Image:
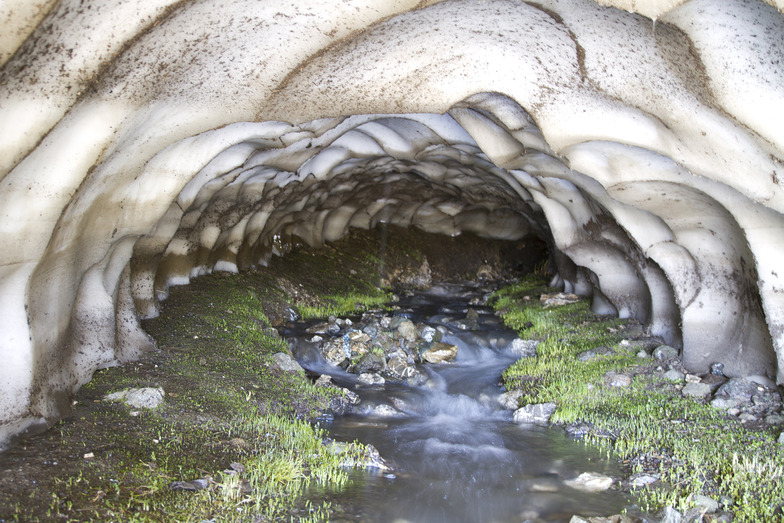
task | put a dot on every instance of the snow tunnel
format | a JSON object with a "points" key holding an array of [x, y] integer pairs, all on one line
{"points": [[145, 143]]}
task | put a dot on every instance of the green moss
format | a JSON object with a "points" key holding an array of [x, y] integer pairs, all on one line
{"points": [[700, 450]]}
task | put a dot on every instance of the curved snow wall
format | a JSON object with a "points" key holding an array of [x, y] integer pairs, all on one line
{"points": [[145, 142]]}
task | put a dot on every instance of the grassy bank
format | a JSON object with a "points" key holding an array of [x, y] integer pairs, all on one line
{"points": [[694, 448]]}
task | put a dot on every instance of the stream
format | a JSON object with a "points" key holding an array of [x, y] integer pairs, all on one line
{"points": [[455, 452]]}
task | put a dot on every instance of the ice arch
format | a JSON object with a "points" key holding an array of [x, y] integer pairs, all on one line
{"points": [[145, 142]]}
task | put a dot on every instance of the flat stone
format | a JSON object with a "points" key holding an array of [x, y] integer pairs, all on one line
{"points": [[642, 480], [665, 352], [615, 379], [558, 299], [523, 348], [739, 389], [674, 376], [287, 363], [536, 413], [371, 378], [440, 353], [709, 504], [590, 482], [510, 400], [141, 398], [723, 403], [696, 390], [774, 419]]}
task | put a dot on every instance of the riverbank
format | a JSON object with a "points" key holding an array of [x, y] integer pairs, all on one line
{"points": [[232, 438]]}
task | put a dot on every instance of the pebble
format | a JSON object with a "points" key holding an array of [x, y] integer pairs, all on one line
{"points": [[696, 390], [535, 413]]}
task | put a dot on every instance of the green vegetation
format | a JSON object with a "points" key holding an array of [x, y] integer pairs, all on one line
{"points": [[695, 448]]}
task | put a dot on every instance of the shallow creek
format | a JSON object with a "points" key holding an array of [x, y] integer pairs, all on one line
{"points": [[455, 452]]}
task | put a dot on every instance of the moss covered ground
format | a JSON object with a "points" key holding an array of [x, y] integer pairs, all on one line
{"points": [[693, 447]]}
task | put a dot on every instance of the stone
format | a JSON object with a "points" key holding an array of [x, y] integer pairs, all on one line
{"points": [[407, 330], [665, 352], [774, 419], [371, 378], [590, 482], [368, 458], [739, 389], [696, 390], [642, 479], [196, 484], [723, 403], [674, 376], [747, 417], [141, 398], [717, 369], [615, 379], [523, 348], [370, 362], [385, 411], [535, 413], [286, 363], [510, 400], [670, 515], [429, 334], [780, 441], [558, 299], [440, 352], [709, 504], [590, 354]]}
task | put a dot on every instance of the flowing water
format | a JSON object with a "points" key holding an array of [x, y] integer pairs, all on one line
{"points": [[456, 454]]}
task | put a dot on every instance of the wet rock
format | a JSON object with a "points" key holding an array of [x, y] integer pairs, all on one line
{"points": [[429, 334], [141, 398], [196, 484], [370, 363], [717, 369], [557, 299], [535, 413], [523, 348], [365, 456], [615, 379], [510, 400], [739, 389], [385, 411], [696, 390], [399, 367], [590, 482], [407, 331], [665, 352], [371, 378], [286, 363], [335, 351], [440, 353]]}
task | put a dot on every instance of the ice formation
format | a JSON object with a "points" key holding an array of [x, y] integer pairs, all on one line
{"points": [[143, 143]]}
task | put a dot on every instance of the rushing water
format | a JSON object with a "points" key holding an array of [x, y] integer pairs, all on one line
{"points": [[456, 454]]}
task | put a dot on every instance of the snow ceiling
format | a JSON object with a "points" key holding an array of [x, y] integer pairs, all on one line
{"points": [[144, 142]]}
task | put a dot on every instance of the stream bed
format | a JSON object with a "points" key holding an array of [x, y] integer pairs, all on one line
{"points": [[454, 451]]}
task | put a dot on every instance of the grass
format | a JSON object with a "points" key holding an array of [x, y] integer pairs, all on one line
{"points": [[698, 449]]}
